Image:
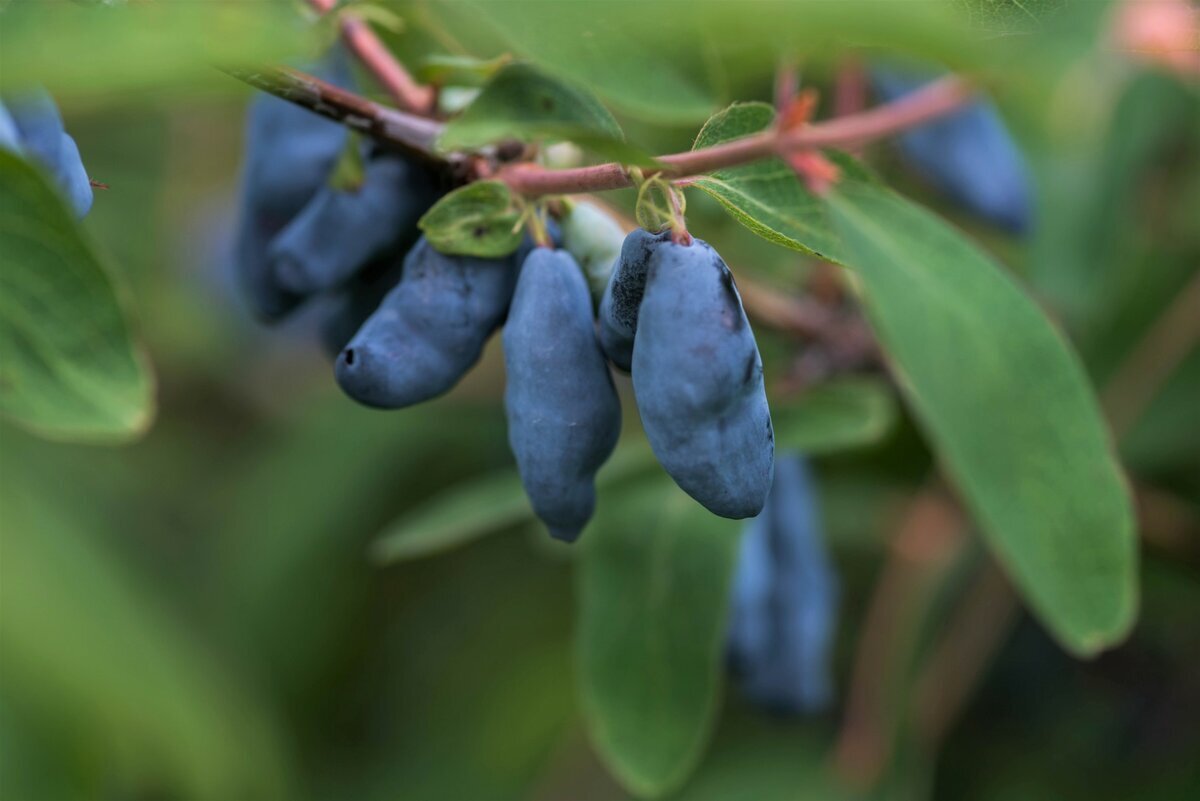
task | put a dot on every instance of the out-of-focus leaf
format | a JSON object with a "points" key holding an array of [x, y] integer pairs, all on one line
{"points": [[615, 50], [1083, 257], [480, 219], [764, 760], [447, 70], [1008, 408], [836, 416], [83, 639], [69, 367], [653, 589], [1167, 435], [487, 505], [461, 514], [524, 103], [139, 46]]}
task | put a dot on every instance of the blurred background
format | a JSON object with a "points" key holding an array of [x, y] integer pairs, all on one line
{"points": [[199, 615]]}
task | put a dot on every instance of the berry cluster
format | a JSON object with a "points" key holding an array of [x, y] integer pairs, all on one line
{"points": [[784, 599], [31, 126], [409, 321]]}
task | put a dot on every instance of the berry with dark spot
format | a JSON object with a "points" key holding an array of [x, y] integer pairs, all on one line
{"points": [[697, 376], [623, 296]]}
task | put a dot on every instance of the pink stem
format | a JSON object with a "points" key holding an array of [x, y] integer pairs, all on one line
{"points": [[938, 98], [374, 54]]}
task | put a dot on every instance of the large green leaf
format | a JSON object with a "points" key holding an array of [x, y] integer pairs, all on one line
{"points": [[1008, 408], [615, 50], [653, 589], [848, 413], [524, 103], [69, 367], [136, 46]]}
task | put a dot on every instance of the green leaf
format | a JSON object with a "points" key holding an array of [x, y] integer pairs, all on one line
{"points": [[69, 368], [450, 70], [653, 595], [765, 196], [836, 416], [1008, 407], [656, 71], [522, 102], [480, 219], [350, 170], [139, 46], [458, 516], [486, 505]]}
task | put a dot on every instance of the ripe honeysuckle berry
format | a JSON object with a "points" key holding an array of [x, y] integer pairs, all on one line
{"points": [[289, 155], [564, 416], [784, 601], [623, 296], [340, 230], [968, 155], [429, 330], [32, 127], [698, 381]]}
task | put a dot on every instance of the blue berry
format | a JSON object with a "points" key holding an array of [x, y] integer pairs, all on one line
{"points": [[968, 155], [40, 136], [429, 330], [785, 598], [564, 416], [339, 231], [290, 153], [698, 379], [623, 296]]}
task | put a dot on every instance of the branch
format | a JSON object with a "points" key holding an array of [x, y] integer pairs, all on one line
{"points": [[407, 132], [938, 98], [417, 134], [374, 54]]}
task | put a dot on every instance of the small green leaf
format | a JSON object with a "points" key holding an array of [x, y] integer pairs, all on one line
{"points": [[522, 102], [839, 415], [654, 581], [1008, 407], [765, 196], [449, 70], [69, 367], [480, 219], [350, 170]]}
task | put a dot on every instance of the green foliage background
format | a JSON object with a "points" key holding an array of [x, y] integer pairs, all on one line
{"points": [[275, 593]]}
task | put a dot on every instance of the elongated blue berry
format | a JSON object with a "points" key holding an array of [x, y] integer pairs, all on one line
{"points": [[41, 137], [969, 155], [429, 330], [563, 413], [341, 230], [698, 379], [785, 598], [623, 296], [288, 158]]}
